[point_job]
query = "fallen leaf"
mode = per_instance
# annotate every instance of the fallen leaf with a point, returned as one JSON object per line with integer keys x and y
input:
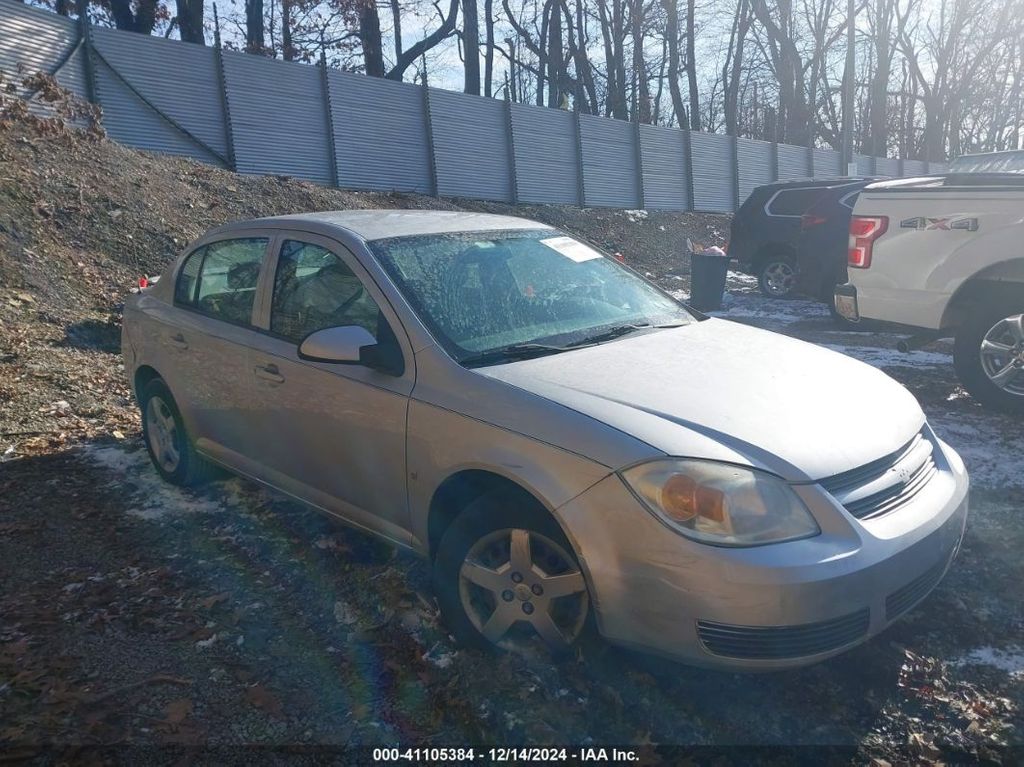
{"x": 263, "y": 699}
{"x": 177, "y": 711}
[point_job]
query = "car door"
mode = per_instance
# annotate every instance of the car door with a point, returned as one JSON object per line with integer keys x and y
{"x": 333, "y": 434}
{"x": 204, "y": 341}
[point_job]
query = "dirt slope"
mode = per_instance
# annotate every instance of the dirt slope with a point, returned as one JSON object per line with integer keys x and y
{"x": 82, "y": 218}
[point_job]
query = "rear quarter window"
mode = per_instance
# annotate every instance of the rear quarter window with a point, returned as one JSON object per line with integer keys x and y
{"x": 793, "y": 202}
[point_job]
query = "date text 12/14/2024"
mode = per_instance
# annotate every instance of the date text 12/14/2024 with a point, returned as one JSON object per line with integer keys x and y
{"x": 504, "y": 754}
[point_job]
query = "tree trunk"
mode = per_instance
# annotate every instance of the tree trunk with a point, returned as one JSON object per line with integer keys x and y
{"x": 641, "y": 90}
{"x": 190, "y": 21}
{"x": 471, "y": 46}
{"x": 672, "y": 39}
{"x": 488, "y": 47}
{"x": 255, "y": 41}
{"x": 555, "y": 55}
{"x": 287, "y": 48}
{"x": 691, "y": 64}
{"x": 396, "y": 23}
{"x": 141, "y": 18}
{"x": 369, "y": 37}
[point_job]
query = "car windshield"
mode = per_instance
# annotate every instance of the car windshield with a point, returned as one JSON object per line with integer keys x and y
{"x": 523, "y": 291}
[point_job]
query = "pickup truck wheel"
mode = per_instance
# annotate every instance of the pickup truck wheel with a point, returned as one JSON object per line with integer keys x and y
{"x": 989, "y": 357}
{"x": 167, "y": 442}
{"x": 507, "y": 579}
{"x": 778, "y": 277}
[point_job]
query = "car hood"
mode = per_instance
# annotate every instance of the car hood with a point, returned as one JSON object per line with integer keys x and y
{"x": 725, "y": 391}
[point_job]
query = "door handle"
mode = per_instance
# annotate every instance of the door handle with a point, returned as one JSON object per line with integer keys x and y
{"x": 178, "y": 341}
{"x": 269, "y": 373}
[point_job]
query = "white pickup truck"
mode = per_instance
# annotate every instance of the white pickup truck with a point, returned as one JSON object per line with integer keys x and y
{"x": 945, "y": 256}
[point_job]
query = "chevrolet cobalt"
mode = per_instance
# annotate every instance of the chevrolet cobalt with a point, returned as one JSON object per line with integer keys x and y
{"x": 566, "y": 443}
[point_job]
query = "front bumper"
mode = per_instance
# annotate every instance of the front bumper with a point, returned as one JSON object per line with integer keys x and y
{"x": 767, "y": 607}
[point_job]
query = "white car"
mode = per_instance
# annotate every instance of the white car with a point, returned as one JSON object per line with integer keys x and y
{"x": 945, "y": 255}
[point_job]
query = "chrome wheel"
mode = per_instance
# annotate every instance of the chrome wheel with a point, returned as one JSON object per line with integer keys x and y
{"x": 1002, "y": 354}
{"x": 779, "y": 278}
{"x": 518, "y": 585}
{"x": 162, "y": 434}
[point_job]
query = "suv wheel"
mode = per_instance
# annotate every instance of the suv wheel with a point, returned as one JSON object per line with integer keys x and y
{"x": 989, "y": 357}
{"x": 168, "y": 444}
{"x": 506, "y": 578}
{"x": 778, "y": 277}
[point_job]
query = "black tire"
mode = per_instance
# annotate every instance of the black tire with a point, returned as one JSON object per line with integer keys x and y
{"x": 774, "y": 267}
{"x": 190, "y": 468}
{"x": 487, "y": 516}
{"x": 967, "y": 358}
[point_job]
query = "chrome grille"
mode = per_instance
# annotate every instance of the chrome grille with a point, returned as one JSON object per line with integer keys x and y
{"x": 886, "y": 484}
{"x": 776, "y": 642}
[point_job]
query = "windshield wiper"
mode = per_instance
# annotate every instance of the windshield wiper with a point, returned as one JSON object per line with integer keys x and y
{"x": 620, "y": 330}
{"x": 511, "y": 352}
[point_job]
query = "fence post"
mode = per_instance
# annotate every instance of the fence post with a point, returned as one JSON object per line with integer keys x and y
{"x": 638, "y": 148}
{"x": 810, "y": 161}
{"x": 85, "y": 37}
{"x": 510, "y": 137}
{"x": 900, "y": 170}
{"x": 688, "y": 148}
{"x": 580, "y": 182}
{"x": 428, "y": 126}
{"x": 325, "y": 86}
{"x": 775, "y": 161}
{"x": 222, "y": 83}
{"x": 734, "y": 146}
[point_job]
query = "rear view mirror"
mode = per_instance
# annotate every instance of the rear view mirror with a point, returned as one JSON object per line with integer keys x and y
{"x": 351, "y": 345}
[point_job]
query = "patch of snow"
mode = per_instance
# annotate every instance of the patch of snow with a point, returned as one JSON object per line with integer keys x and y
{"x": 992, "y": 456}
{"x": 1009, "y": 660}
{"x": 881, "y": 358}
{"x": 153, "y": 497}
{"x": 439, "y": 657}
{"x": 635, "y": 215}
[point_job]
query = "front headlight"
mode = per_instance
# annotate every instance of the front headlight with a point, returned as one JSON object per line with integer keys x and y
{"x": 721, "y": 504}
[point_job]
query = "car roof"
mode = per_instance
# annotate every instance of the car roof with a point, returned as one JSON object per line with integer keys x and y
{"x": 381, "y": 224}
{"x": 820, "y": 182}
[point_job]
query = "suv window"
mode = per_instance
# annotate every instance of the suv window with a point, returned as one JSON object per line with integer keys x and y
{"x": 220, "y": 279}
{"x": 313, "y": 290}
{"x": 792, "y": 202}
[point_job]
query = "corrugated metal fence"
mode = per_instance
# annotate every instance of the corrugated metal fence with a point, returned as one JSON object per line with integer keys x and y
{"x": 262, "y": 116}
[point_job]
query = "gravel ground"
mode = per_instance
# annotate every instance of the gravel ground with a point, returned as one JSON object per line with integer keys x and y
{"x": 133, "y": 612}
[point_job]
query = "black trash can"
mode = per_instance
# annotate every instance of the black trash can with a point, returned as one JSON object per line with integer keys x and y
{"x": 707, "y": 281}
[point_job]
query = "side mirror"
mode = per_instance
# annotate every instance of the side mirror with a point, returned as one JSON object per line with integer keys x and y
{"x": 351, "y": 345}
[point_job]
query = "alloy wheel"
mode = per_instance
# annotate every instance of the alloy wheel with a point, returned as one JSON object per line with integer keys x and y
{"x": 162, "y": 433}
{"x": 1002, "y": 354}
{"x": 779, "y": 278}
{"x": 517, "y": 585}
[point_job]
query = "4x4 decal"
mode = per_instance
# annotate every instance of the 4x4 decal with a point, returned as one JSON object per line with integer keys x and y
{"x": 945, "y": 224}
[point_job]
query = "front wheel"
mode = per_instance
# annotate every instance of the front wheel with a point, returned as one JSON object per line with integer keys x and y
{"x": 988, "y": 354}
{"x": 778, "y": 277}
{"x": 506, "y": 578}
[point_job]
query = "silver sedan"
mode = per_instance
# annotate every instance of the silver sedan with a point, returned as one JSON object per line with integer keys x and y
{"x": 568, "y": 445}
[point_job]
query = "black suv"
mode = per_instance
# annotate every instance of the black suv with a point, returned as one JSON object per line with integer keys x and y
{"x": 792, "y": 235}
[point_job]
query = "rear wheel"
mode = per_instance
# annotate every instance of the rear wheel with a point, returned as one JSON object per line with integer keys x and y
{"x": 506, "y": 578}
{"x": 989, "y": 356}
{"x": 778, "y": 277}
{"x": 167, "y": 442}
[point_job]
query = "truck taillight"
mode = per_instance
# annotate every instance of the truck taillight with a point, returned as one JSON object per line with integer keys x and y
{"x": 864, "y": 230}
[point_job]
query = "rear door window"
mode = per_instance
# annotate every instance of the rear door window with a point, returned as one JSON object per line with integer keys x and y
{"x": 793, "y": 202}
{"x": 220, "y": 279}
